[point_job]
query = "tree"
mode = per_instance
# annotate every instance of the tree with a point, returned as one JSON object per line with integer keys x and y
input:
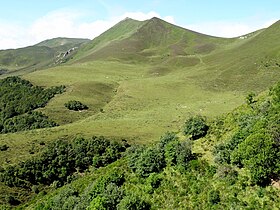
{"x": 144, "y": 161}
{"x": 196, "y": 127}
{"x": 260, "y": 155}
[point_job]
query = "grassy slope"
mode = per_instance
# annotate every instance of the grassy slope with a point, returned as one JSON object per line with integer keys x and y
{"x": 170, "y": 75}
{"x": 38, "y": 56}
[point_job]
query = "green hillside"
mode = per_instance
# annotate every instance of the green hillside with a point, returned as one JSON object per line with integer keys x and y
{"x": 42, "y": 55}
{"x": 149, "y": 41}
{"x": 139, "y": 80}
{"x": 232, "y": 164}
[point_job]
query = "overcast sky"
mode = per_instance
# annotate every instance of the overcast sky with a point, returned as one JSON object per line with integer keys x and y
{"x": 27, "y": 22}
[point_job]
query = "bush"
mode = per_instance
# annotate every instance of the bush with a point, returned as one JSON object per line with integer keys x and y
{"x": 144, "y": 161}
{"x": 108, "y": 199}
{"x": 214, "y": 197}
{"x": 132, "y": 202}
{"x": 166, "y": 138}
{"x": 154, "y": 180}
{"x": 250, "y": 98}
{"x": 4, "y": 147}
{"x": 195, "y": 127}
{"x": 260, "y": 155}
{"x": 75, "y": 105}
{"x": 60, "y": 160}
{"x": 178, "y": 153}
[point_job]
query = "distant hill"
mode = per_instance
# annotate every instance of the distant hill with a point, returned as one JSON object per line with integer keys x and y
{"x": 150, "y": 40}
{"x": 44, "y": 54}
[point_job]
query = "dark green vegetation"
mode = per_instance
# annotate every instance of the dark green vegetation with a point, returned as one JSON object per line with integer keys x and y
{"x": 18, "y": 100}
{"x": 140, "y": 79}
{"x": 75, "y": 105}
{"x": 170, "y": 175}
{"x": 254, "y": 144}
{"x": 59, "y": 163}
{"x": 195, "y": 127}
{"x": 42, "y": 55}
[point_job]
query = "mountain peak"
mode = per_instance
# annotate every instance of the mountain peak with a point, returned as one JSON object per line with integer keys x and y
{"x": 155, "y": 20}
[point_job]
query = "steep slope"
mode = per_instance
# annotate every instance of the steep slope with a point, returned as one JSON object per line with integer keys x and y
{"x": 252, "y": 64}
{"x": 120, "y": 31}
{"x": 150, "y": 40}
{"x": 38, "y": 56}
{"x": 222, "y": 63}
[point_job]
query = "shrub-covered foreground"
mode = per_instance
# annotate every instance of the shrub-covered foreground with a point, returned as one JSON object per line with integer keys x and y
{"x": 240, "y": 171}
{"x": 18, "y": 100}
{"x": 60, "y": 162}
{"x": 167, "y": 175}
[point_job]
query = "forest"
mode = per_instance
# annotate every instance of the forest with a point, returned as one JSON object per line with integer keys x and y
{"x": 18, "y": 101}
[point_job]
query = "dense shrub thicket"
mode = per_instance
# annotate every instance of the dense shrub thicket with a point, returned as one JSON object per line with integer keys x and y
{"x": 196, "y": 127}
{"x": 110, "y": 191}
{"x": 60, "y": 160}
{"x": 169, "y": 151}
{"x": 255, "y": 143}
{"x": 75, "y": 105}
{"x": 18, "y": 99}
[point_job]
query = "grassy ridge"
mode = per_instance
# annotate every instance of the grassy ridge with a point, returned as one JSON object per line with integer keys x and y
{"x": 41, "y": 55}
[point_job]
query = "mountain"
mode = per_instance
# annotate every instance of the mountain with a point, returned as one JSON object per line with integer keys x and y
{"x": 149, "y": 40}
{"x": 170, "y": 113}
{"x": 41, "y": 55}
{"x": 227, "y": 62}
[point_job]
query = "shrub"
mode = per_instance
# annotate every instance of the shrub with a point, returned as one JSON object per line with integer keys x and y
{"x": 259, "y": 154}
{"x": 12, "y": 200}
{"x": 60, "y": 160}
{"x": 214, "y": 197}
{"x": 250, "y": 98}
{"x": 132, "y": 202}
{"x": 18, "y": 100}
{"x": 195, "y": 127}
{"x": 166, "y": 138}
{"x": 75, "y": 105}
{"x": 154, "y": 180}
{"x": 4, "y": 147}
{"x": 178, "y": 153}
{"x": 146, "y": 161}
{"x": 108, "y": 199}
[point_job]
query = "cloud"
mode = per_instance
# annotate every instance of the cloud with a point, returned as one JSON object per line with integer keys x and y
{"x": 229, "y": 29}
{"x": 11, "y": 35}
{"x": 63, "y": 23}
{"x": 71, "y": 23}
